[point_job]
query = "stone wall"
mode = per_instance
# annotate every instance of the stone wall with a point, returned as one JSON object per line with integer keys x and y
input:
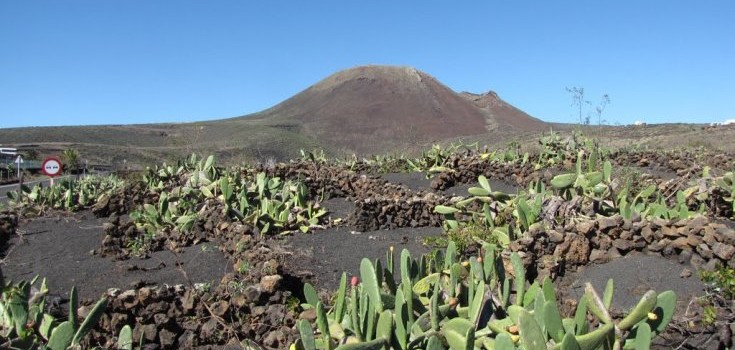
{"x": 700, "y": 241}
{"x": 8, "y": 223}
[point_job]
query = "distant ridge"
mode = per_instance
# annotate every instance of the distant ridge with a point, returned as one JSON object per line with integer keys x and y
{"x": 374, "y": 108}
{"x": 364, "y": 110}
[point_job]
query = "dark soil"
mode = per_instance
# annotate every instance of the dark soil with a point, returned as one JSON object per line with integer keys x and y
{"x": 61, "y": 250}
{"x": 339, "y": 208}
{"x": 414, "y": 181}
{"x": 323, "y": 255}
{"x": 495, "y": 185}
{"x": 326, "y": 254}
{"x": 418, "y": 182}
{"x": 633, "y": 275}
{"x": 659, "y": 172}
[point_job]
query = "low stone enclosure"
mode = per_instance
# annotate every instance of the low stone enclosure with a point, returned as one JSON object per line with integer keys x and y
{"x": 265, "y": 292}
{"x": 170, "y": 316}
{"x": 698, "y": 241}
{"x": 260, "y": 304}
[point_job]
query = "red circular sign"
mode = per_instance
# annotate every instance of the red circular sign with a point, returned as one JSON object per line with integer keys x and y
{"x": 51, "y": 166}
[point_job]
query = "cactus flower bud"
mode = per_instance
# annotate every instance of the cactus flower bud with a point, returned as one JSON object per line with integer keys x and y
{"x": 513, "y": 329}
{"x": 355, "y": 281}
{"x": 465, "y": 263}
{"x": 479, "y": 259}
{"x": 652, "y": 316}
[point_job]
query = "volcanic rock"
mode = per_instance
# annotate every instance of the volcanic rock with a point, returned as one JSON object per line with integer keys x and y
{"x": 723, "y": 251}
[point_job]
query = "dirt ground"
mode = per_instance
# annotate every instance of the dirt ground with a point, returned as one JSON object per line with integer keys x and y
{"x": 419, "y": 182}
{"x": 326, "y": 254}
{"x": 61, "y": 249}
{"x": 633, "y": 275}
{"x": 323, "y": 255}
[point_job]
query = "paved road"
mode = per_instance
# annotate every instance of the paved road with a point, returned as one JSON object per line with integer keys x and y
{"x": 12, "y": 187}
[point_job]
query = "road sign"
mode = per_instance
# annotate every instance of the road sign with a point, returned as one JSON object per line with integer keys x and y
{"x": 51, "y": 166}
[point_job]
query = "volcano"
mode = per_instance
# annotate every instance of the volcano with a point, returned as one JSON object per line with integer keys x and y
{"x": 371, "y": 109}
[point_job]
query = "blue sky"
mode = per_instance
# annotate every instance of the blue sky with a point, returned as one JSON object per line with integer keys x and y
{"x": 73, "y": 62}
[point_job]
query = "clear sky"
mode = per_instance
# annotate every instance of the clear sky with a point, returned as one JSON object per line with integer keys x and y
{"x": 75, "y": 62}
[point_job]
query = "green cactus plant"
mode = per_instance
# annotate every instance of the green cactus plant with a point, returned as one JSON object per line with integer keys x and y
{"x": 459, "y": 305}
{"x": 125, "y": 338}
{"x": 23, "y": 321}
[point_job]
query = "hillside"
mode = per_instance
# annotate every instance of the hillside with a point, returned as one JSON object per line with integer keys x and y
{"x": 367, "y": 109}
{"x": 501, "y": 114}
{"x": 378, "y": 108}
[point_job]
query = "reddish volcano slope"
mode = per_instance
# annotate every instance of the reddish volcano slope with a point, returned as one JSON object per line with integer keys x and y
{"x": 373, "y": 108}
{"x": 502, "y": 114}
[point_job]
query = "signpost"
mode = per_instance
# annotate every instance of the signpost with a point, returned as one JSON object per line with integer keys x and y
{"x": 51, "y": 167}
{"x": 18, "y": 162}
